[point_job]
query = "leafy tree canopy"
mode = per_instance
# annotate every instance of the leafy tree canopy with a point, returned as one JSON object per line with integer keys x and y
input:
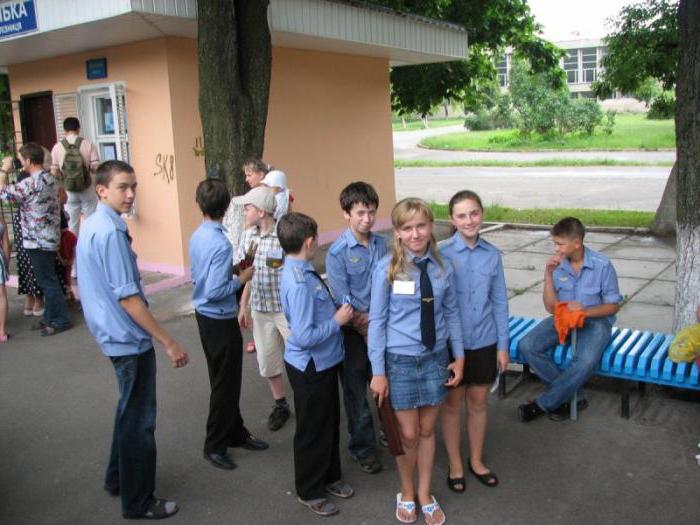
{"x": 643, "y": 45}
{"x": 492, "y": 25}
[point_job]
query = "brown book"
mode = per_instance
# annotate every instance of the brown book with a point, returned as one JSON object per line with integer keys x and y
{"x": 391, "y": 428}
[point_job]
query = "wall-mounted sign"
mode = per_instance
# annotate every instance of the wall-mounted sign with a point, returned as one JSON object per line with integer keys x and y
{"x": 17, "y": 17}
{"x": 96, "y": 68}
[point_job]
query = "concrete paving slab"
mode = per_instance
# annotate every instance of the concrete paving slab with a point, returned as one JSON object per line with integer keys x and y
{"x": 636, "y": 252}
{"x": 154, "y": 277}
{"x": 630, "y": 286}
{"x": 644, "y": 316}
{"x": 661, "y": 293}
{"x": 604, "y": 237}
{"x": 669, "y": 274}
{"x": 510, "y": 240}
{"x": 528, "y": 304}
{"x": 517, "y": 279}
{"x": 650, "y": 240}
{"x": 525, "y": 260}
{"x": 639, "y": 269}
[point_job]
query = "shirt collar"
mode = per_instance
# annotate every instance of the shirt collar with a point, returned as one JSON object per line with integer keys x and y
{"x": 306, "y": 265}
{"x": 428, "y": 255}
{"x": 113, "y": 216}
{"x": 213, "y": 225}
{"x": 461, "y": 244}
{"x": 587, "y": 262}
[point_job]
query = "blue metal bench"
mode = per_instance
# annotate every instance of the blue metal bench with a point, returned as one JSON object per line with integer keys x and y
{"x": 632, "y": 355}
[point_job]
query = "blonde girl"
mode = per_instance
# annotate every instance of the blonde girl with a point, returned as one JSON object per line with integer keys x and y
{"x": 413, "y": 313}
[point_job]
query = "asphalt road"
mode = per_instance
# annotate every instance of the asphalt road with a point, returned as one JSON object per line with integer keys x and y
{"x": 624, "y": 188}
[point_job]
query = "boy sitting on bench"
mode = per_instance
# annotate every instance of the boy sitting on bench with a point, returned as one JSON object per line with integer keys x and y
{"x": 587, "y": 281}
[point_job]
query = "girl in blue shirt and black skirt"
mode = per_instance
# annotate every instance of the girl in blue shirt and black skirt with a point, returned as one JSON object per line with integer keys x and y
{"x": 483, "y": 308}
{"x": 413, "y": 313}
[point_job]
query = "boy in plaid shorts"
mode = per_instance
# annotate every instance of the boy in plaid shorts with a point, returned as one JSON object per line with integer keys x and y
{"x": 260, "y": 302}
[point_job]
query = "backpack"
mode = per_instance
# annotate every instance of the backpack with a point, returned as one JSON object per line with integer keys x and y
{"x": 75, "y": 175}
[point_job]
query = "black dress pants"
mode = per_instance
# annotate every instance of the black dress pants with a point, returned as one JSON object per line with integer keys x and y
{"x": 317, "y": 435}
{"x": 223, "y": 348}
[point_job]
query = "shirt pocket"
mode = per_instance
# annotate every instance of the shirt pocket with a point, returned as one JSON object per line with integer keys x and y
{"x": 358, "y": 273}
{"x": 590, "y": 296}
{"x": 323, "y": 306}
{"x": 565, "y": 290}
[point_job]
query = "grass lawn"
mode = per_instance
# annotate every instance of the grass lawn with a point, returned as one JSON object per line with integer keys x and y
{"x": 632, "y": 132}
{"x": 413, "y": 125}
{"x": 496, "y": 213}
{"x": 541, "y": 163}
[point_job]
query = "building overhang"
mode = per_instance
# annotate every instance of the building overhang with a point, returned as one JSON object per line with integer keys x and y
{"x": 74, "y": 26}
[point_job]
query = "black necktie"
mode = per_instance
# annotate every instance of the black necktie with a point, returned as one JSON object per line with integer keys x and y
{"x": 427, "y": 306}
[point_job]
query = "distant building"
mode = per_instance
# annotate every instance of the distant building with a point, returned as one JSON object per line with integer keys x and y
{"x": 582, "y": 65}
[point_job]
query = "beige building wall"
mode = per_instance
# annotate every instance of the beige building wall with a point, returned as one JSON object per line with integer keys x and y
{"x": 329, "y": 123}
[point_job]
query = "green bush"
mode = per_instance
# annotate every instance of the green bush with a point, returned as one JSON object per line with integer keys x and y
{"x": 663, "y": 106}
{"x": 586, "y": 115}
{"x": 609, "y": 123}
{"x": 479, "y": 121}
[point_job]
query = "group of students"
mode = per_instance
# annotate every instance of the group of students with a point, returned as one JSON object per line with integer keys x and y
{"x": 425, "y": 327}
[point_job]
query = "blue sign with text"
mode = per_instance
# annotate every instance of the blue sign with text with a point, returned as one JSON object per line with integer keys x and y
{"x": 17, "y": 17}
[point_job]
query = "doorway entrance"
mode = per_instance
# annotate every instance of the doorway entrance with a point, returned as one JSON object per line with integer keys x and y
{"x": 37, "y": 119}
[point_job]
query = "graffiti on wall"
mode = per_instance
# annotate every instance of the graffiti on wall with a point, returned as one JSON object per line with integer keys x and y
{"x": 165, "y": 167}
{"x": 198, "y": 148}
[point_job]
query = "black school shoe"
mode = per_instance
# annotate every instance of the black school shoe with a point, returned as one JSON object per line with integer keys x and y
{"x": 159, "y": 509}
{"x": 529, "y": 411}
{"x": 564, "y": 411}
{"x": 278, "y": 417}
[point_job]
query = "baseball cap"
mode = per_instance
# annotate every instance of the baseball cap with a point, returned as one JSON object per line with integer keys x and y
{"x": 261, "y": 197}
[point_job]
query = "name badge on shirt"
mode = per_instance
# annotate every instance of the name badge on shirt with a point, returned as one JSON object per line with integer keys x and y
{"x": 404, "y": 287}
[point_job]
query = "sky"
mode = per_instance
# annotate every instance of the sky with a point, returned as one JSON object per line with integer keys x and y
{"x": 562, "y": 19}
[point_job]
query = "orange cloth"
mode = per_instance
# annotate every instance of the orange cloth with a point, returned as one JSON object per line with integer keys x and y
{"x": 565, "y": 320}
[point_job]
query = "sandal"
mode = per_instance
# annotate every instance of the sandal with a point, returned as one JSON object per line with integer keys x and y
{"x": 457, "y": 485}
{"x": 320, "y": 506}
{"x": 489, "y": 478}
{"x": 28, "y": 312}
{"x": 409, "y": 507}
{"x": 429, "y": 512}
{"x": 4, "y": 338}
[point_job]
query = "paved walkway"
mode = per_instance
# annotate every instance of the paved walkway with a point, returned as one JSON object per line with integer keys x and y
{"x": 406, "y": 147}
{"x": 623, "y": 188}
{"x": 58, "y": 398}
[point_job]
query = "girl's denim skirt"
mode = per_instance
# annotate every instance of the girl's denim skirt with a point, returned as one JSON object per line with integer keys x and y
{"x": 417, "y": 381}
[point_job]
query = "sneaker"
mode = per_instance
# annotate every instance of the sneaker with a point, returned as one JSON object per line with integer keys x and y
{"x": 564, "y": 411}
{"x": 278, "y": 417}
{"x": 157, "y": 510}
{"x": 529, "y": 411}
{"x": 369, "y": 464}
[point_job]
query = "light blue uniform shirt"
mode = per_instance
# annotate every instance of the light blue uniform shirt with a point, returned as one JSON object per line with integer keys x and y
{"x": 394, "y": 319}
{"x": 214, "y": 285}
{"x": 107, "y": 273}
{"x": 349, "y": 267}
{"x": 309, "y": 310}
{"x": 481, "y": 292}
{"x": 595, "y": 284}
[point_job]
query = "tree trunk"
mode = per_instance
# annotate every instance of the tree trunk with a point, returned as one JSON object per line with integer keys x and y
{"x": 235, "y": 58}
{"x": 665, "y": 219}
{"x": 688, "y": 141}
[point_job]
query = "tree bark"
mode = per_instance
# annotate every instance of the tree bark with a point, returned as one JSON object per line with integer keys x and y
{"x": 688, "y": 145}
{"x": 665, "y": 219}
{"x": 235, "y": 59}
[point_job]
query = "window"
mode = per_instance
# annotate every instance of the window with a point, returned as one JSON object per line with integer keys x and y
{"x": 571, "y": 66}
{"x": 502, "y": 70}
{"x": 103, "y": 119}
{"x": 589, "y": 64}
